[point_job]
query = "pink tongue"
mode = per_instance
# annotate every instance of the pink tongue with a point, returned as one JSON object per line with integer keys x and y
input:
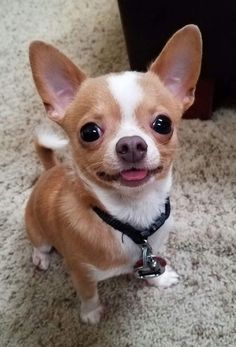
{"x": 134, "y": 175}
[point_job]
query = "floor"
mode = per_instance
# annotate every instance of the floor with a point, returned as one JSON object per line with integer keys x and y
{"x": 41, "y": 309}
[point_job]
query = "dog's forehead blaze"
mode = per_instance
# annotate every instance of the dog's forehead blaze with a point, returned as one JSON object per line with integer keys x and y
{"x": 126, "y": 91}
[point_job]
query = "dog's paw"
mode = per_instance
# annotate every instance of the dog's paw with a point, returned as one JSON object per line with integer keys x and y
{"x": 166, "y": 280}
{"x": 93, "y": 316}
{"x": 41, "y": 259}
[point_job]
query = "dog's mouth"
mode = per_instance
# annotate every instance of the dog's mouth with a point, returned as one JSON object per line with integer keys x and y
{"x": 132, "y": 177}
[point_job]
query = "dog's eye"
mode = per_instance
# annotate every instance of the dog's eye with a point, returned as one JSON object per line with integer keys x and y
{"x": 162, "y": 125}
{"x": 90, "y": 132}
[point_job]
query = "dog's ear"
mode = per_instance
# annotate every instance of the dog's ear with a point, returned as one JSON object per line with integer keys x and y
{"x": 179, "y": 64}
{"x": 57, "y": 79}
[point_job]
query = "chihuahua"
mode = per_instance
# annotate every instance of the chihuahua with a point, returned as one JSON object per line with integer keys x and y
{"x": 108, "y": 213}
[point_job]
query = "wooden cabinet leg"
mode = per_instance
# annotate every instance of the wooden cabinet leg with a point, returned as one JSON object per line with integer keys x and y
{"x": 202, "y": 107}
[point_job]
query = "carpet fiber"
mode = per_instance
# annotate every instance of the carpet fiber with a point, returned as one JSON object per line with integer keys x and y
{"x": 41, "y": 309}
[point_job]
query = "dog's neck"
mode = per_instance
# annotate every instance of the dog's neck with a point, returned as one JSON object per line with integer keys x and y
{"x": 139, "y": 208}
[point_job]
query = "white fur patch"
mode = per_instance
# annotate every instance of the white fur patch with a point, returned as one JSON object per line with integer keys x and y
{"x": 128, "y": 94}
{"x": 126, "y": 91}
{"x": 91, "y": 310}
{"x": 137, "y": 207}
{"x": 166, "y": 280}
{"x": 41, "y": 257}
{"x": 47, "y": 138}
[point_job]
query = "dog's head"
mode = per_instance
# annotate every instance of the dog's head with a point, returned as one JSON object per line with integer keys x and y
{"x": 122, "y": 126}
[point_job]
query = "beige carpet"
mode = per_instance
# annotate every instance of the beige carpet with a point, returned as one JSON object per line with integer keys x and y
{"x": 40, "y": 309}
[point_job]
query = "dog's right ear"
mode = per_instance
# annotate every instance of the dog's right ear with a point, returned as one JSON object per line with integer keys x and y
{"x": 57, "y": 79}
{"x": 179, "y": 64}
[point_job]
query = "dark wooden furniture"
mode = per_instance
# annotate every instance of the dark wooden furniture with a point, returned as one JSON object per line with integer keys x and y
{"x": 148, "y": 24}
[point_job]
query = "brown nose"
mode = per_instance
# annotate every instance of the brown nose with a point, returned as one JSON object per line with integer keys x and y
{"x": 131, "y": 149}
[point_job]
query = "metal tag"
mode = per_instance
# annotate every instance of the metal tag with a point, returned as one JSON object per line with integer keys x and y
{"x": 149, "y": 265}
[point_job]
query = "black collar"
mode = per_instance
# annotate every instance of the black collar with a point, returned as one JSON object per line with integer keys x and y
{"x": 138, "y": 236}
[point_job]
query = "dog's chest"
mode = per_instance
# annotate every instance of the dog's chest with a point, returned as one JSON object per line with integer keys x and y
{"x": 140, "y": 212}
{"x": 131, "y": 252}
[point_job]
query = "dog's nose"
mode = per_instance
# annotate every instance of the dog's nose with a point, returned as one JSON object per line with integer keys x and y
{"x": 131, "y": 149}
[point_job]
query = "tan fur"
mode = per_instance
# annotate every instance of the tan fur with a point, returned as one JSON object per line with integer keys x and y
{"x": 158, "y": 100}
{"x": 59, "y": 212}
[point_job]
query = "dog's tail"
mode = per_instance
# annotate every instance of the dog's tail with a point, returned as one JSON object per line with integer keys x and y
{"x": 46, "y": 142}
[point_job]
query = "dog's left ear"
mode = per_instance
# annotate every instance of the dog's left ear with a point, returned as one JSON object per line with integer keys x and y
{"x": 179, "y": 64}
{"x": 57, "y": 79}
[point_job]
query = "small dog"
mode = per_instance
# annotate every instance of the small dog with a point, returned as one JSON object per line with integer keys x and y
{"x": 108, "y": 214}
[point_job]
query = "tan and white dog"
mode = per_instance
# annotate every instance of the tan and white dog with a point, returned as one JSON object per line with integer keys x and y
{"x": 122, "y": 130}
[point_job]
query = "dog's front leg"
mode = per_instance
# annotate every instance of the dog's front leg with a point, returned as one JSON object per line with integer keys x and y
{"x": 91, "y": 310}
